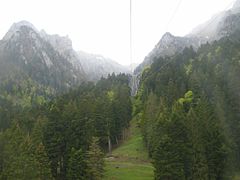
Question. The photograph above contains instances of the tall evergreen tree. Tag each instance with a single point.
(95, 161)
(77, 167)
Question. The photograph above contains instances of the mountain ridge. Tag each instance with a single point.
(61, 45)
(221, 25)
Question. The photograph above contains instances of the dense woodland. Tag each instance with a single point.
(188, 107)
(63, 137)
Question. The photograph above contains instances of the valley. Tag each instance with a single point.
(66, 114)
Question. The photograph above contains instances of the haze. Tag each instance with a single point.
(102, 26)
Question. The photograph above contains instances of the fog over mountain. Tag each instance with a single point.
(66, 114)
(50, 60)
(220, 25)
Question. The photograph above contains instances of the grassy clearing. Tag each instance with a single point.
(130, 160)
(131, 171)
(133, 147)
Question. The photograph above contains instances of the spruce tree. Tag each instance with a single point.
(77, 169)
(95, 161)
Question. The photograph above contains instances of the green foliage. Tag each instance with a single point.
(110, 95)
(128, 171)
(133, 147)
(55, 139)
(43, 163)
(189, 107)
(131, 159)
(77, 165)
(187, 98)
(21, 159)
(95, 162)
(167, 162)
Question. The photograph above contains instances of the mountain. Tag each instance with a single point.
(223, 24)
(168, 46)
(34, 63)
(190, 103)
(220, 25)
(25, 51)
(97, 66)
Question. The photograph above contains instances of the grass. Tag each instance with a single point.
(130, 160)
(131, 171)
(237, 176)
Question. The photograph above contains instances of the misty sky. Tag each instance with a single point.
(102, 26)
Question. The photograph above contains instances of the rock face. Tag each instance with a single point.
(49, 60)
(168, 46)
(134, 83)
(24, 51)
(16, 29)
(97, 66)
(221, 25)
(63, 45)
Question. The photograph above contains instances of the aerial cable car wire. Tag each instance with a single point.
(131, 35)
(173, 14)
(211, 21)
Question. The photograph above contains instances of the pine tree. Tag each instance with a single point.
(167, 161)
(43, 163)
(77, 168)
(20, 163)
(95, 161)
(55, 143)
(199, 168)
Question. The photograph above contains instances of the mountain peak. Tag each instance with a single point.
(16, 27)
(167, 35)
(24, 23)
(166, 39)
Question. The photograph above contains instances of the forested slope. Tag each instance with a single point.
(67, 137)
(189, 106)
